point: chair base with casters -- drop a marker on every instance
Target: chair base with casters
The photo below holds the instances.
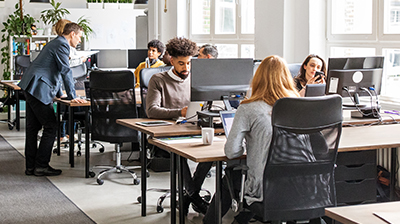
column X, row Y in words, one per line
column 167, row 194
column 118, row 168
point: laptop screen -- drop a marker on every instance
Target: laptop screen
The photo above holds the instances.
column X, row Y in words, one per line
column 227, row 120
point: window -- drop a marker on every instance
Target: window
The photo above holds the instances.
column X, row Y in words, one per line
column 367, row 28
column 228, row 24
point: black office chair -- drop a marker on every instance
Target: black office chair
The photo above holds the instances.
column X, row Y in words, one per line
column 112, row 97
column 22, row 62
column 298, row 181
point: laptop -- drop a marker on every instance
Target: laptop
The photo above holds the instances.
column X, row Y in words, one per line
column 227, row 120
column 191, row 114
column 315, row 90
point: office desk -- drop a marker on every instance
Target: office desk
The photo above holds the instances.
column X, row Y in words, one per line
column 161, row 131
column 71, row 107
column 364, row 213
column 13, row 89
column 352, row 139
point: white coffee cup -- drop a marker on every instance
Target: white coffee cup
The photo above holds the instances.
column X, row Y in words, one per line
column 207, row 134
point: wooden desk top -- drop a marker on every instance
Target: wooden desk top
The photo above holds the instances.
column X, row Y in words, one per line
column 364, row 213
column 11, row 83
column 369, row 137
column 163, row 131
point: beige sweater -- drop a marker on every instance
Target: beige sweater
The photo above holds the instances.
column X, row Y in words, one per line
column 166, row 97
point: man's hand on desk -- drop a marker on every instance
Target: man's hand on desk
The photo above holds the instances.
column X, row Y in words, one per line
column 78, row 100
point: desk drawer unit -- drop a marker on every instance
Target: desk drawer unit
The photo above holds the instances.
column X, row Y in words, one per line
column 355, row 177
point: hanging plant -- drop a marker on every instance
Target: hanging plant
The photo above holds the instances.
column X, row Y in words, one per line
column 14, row 26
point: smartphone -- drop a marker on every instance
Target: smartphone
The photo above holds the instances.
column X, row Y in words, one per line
column 319, row 74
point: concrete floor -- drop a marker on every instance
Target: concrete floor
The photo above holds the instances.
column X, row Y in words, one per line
column 116, row 200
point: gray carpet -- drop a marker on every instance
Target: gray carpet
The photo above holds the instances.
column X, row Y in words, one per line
column 30, row 199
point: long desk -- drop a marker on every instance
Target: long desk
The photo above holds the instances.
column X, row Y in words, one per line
column 364, row 213
column 161, row 131
column 352, row 139
column 13, row 89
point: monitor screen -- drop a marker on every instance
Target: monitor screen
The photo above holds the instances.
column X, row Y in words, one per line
column 211, row 79
column 110, row 58
column 347, row 76
column 136, row 56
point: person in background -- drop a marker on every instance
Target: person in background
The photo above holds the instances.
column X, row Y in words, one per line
column 166, row 59
column 168, row 97
column 208, row 51
column 155, row 49
column 41, row 83
column 74, row 58
column 251, row 132
column 307, row 71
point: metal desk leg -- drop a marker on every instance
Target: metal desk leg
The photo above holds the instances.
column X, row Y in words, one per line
column 87, row 139
column 218, row 180
column 71, row 136
column 393, row 172
column 144, row 173
column 173, row 187
column 9, row 106
column 58, row 129
column 17, row 108
column 180, row 189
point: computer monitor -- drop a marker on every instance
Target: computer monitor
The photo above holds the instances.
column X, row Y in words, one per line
column 136, row 56
column 112, row 58
column 220, row 79
column 349, row 76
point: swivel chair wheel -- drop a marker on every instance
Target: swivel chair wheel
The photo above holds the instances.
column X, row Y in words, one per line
column 91, row 174
column 78, row 153
column 136, row 181
column 101, row 149
column 94, row 145
column 160, row 209
column 100, row 181
column 207, row 198
column 11, row 126
column 139, row 199
column 54, row 151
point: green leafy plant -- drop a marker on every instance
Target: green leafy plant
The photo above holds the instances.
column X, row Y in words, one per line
column 14, row 26
column 85, row 24
column 106, row 1
column 51, row 16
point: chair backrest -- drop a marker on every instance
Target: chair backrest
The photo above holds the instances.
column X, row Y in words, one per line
column 294, row 69
column 79, row 74
column 22, row 62
column 112, row 96
column 145, row 76
column 298, row 180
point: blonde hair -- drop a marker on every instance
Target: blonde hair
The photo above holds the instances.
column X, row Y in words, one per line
column 59, row 27
column 272, row 81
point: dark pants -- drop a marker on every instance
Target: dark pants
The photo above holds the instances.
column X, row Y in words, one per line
column 226, row 199
column 39, row 115
column 193, row 184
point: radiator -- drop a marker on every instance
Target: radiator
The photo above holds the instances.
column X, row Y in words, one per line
column 384, row 159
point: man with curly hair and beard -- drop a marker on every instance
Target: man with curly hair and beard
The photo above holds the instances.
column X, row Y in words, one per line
column 168, row 97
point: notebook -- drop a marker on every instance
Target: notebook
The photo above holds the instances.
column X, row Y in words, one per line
column 315, row 90
column 191, row 114
column 227, row 120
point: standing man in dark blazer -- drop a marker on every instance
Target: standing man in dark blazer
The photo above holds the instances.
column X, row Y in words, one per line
column 41, row 83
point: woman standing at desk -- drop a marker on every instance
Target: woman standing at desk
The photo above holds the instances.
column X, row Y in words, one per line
column 309, row 67
column 252, row 123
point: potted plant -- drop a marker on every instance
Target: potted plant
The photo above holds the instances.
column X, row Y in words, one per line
column 110, row 4
column 87, row 30
column 94, row 4
column 51, row 16
column 125, row 4
column 16, row 25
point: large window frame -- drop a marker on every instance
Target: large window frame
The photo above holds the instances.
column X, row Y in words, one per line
column 238, row 38
column 377, row 39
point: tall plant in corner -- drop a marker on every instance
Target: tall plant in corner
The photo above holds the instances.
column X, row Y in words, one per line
column 17, row 24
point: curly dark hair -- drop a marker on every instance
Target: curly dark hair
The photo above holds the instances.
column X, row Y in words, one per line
column 180, row 46
column 157, row 44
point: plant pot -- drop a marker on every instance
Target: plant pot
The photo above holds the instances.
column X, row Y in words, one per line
column 126, row 5
column 95, row 5
column 110, row 5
